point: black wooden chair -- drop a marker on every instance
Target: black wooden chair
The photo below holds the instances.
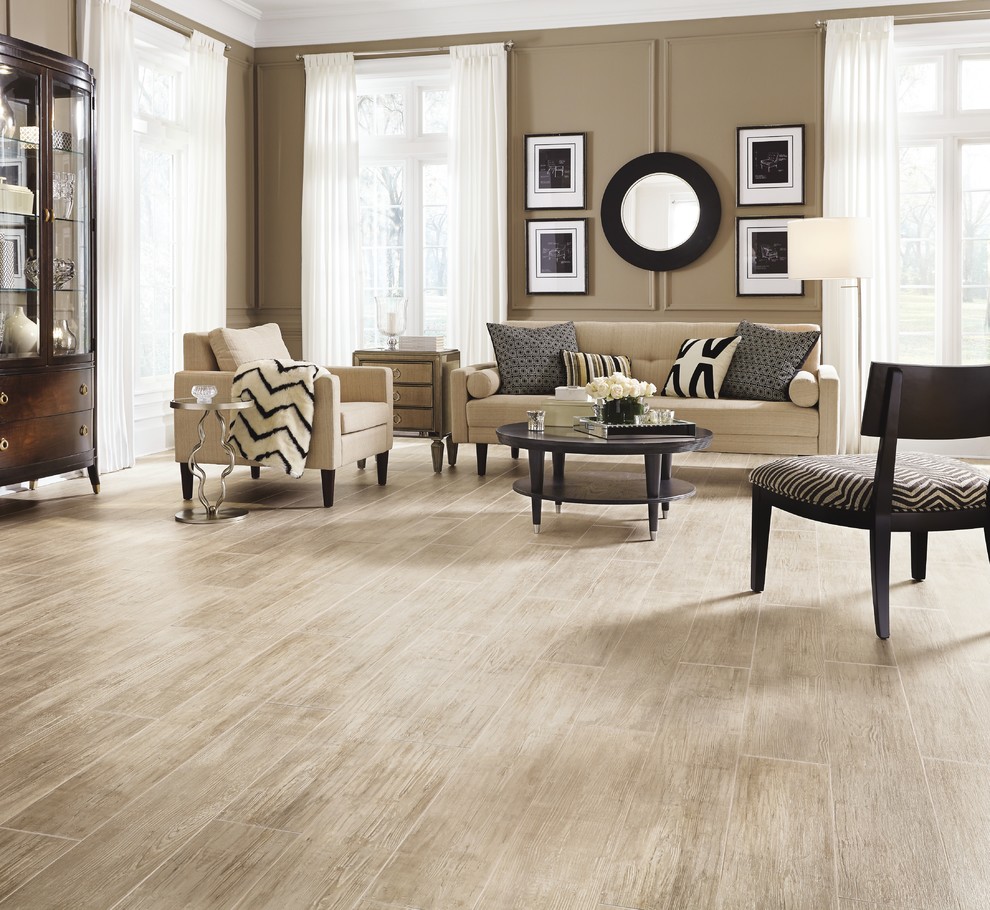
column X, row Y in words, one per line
column 889, row 492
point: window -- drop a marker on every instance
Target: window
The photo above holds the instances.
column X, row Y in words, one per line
column 161, row 140
column 944, row 170
column 403, row 110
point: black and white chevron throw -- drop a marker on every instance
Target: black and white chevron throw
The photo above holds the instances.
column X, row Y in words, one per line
column 277, row 432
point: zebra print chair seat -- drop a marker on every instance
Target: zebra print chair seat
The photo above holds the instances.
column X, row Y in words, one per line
column 889, row 492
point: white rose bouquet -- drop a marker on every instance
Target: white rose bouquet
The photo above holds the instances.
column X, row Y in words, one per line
column 617, row 386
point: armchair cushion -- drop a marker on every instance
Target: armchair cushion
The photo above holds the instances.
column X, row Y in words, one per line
column 233, row 347
column 362, row 415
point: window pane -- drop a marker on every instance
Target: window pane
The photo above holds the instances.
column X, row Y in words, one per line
column 974, row 83
column 917, row 304
column 918, row 87
column 382, row 114
column 156, row 263
column 975, row 251
column 156, row 93
column 435, row 302
column 436, row 110
column 382, row 237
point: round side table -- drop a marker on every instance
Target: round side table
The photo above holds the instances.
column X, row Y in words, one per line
column 213, row 511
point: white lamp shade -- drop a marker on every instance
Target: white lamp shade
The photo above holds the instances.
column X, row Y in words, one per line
column 829, row 248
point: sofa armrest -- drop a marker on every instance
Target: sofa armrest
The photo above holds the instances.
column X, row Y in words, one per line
column 459, row 397
column 367, row 383
column 828, row 410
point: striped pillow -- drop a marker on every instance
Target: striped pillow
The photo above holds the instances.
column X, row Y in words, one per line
column 581, row 368
column 700, row 367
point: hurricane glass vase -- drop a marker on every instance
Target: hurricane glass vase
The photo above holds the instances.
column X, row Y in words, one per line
column 391, row 318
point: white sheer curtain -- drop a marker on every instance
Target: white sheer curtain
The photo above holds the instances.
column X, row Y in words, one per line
column 860, row 180
column 205, row 306
column 106, row 45
column 478, row 168
column 331, row 239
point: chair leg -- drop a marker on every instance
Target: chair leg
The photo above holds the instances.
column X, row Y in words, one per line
column 381, row 462
column 328, row 477
column 361, row 462
column 759, row 541
column 481, row 449
column 880, row 577
column 919, row 554
column 186, row 477
column 986, row 534
column 255, row 471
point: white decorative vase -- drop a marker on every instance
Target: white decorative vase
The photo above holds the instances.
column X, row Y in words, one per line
column 21, row 333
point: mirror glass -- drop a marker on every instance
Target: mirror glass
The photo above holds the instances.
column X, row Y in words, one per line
column 660, row 211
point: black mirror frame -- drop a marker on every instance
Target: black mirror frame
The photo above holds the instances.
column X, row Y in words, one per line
column 691, row 173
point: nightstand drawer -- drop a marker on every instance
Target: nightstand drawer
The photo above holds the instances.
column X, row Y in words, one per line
column 26, row 395
column 412, row 396
column 413, row 419
column 23, row 442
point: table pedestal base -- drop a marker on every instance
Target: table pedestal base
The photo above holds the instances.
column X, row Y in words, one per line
column 199, row 517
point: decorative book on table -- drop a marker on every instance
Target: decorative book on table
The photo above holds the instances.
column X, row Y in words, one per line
column 422, row 343
column 677, row 429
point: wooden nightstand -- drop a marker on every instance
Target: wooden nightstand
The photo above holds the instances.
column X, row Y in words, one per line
column 420, row 394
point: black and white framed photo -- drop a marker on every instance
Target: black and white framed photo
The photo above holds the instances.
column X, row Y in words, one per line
column 555, row 171
column 12, row 256
column 770, row 165
column 557, row 256
column 761, row 259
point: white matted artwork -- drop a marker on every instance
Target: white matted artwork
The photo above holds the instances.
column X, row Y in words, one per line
column 12, row 240
column 770, row 165
column 761, row 259
column 555, row 171
column 557, row 256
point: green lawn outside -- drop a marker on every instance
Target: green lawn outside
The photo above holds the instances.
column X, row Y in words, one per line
column 916, row 327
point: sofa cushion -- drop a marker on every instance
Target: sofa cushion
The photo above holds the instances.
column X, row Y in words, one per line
column 483, row 383
column 803, row 390
column 765, row 364
column 700, row 367
column 529, row 359
column 232, row 347
column 581, row 367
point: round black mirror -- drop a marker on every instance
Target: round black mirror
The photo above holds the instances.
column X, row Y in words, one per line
column 661, row 211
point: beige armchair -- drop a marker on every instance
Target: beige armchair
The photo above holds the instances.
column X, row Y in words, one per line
column 352, row 419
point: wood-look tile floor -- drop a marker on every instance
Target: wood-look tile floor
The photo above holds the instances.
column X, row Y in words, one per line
column 411, row 701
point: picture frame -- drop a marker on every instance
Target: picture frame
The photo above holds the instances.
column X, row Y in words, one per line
column 557, row 256
column 556, row 171
column 13, row 241
column 770, row 165
column 761, row 258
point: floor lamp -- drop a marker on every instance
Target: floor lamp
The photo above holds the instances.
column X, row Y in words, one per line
column 827, row 248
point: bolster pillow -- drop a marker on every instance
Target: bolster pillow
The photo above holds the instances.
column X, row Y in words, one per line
column 483, row 383
column 803, row 390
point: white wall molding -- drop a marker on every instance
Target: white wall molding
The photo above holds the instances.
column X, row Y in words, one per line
column 232, row 18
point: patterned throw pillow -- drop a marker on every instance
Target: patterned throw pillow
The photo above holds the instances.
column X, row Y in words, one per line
column 700, row 367
column 766, row 362
column 529, row 360
column 581, row 368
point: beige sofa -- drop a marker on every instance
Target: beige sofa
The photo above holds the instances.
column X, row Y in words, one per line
column 770, row 427
column 352, row 419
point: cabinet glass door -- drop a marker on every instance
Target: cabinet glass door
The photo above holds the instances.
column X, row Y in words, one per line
column 20, row 302
column 70, row 218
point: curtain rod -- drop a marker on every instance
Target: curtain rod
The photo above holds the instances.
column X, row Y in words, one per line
column 957, row 15
column 410, row 52
column 152, row 16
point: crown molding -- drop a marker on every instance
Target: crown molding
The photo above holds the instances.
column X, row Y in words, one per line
column 288, row 23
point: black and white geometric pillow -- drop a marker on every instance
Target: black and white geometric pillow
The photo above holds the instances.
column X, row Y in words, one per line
column 766, row 362
column 700, row 367
column 529, row 359
column 581, row 368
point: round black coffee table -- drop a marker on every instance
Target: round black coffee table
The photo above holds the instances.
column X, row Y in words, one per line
column 656, row 489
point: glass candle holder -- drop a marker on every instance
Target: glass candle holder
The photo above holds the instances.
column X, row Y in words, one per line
column 536, row 420
column 391, row 313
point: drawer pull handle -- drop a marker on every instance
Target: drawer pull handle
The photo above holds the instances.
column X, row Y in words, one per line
column 3, row 398
column 84, row 430
column 84, row 389
column 396, row 396
column 4, row 445
column 396, row 419
column 396, row 374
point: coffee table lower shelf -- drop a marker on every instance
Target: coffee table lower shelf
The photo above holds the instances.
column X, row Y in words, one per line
column 605, row 488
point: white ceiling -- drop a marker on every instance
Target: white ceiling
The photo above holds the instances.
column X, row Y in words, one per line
column 279, row 23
